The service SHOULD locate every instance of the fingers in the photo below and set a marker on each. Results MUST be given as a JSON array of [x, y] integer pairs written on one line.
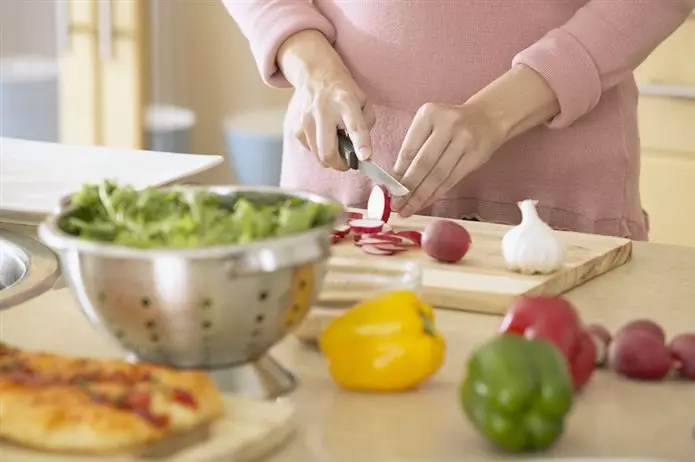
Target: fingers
[[439, 180], [306, 134], [426, 161], [356, 128], [327, 142], [369, 115], [465, 165], [326, 107], [417, 134]]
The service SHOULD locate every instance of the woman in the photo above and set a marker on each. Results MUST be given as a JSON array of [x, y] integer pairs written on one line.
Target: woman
[[475, 104]]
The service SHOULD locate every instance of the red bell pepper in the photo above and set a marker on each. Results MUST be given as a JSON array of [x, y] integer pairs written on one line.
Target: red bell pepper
[[554, 319]]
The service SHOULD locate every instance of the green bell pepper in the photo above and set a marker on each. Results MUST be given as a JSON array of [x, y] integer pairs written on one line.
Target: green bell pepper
[[517, 392]]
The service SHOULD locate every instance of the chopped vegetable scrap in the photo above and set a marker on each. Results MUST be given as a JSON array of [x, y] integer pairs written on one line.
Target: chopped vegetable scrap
[[185, 217], [443, 240]]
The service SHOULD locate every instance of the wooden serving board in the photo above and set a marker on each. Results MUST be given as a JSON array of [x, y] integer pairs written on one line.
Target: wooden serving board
[[249, 430], [481, 281]]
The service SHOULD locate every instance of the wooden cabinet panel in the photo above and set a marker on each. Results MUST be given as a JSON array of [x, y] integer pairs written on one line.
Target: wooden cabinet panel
[[673, 62], [668, 195], [126, 15], [124, 75], [667, 132], [82, 13], [103, 72], [122, 94], [667, 124], [78, 102]]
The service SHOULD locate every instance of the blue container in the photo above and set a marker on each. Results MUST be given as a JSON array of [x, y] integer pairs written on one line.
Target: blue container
[[29, 98], [254, 146], [169, 128]]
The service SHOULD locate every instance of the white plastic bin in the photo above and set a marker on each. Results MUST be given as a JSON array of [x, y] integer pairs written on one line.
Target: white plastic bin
[[169, 128], [29, 98], [254, 145]]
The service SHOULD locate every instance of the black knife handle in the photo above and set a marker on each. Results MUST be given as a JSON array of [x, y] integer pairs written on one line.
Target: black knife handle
[[347, 150]]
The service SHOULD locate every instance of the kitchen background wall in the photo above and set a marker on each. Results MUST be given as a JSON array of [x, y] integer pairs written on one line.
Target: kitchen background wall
[[199, 60]]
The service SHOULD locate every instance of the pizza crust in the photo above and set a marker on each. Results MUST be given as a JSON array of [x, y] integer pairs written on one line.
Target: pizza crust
[[58, 420], [56, 416]]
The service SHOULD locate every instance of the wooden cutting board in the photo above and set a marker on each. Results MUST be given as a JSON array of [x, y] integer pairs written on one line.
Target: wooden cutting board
[[481, 282], [249, 430]]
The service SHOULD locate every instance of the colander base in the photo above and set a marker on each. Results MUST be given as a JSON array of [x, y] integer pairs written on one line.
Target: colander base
[[264, 378]]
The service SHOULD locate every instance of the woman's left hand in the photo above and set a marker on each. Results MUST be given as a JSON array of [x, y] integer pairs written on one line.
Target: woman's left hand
[[443, 145]]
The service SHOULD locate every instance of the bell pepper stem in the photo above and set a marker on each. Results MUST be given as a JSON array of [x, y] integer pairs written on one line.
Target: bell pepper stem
[[428, 325]]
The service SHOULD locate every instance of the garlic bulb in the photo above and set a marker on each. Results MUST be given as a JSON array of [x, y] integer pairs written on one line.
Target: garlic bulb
[[532, 247]]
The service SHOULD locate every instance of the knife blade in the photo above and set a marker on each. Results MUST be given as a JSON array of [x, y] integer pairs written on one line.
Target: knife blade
[[375, 173]]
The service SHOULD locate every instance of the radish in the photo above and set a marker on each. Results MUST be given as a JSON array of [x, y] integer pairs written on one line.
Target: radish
[[389, 246], [341, 231], [366, 226], [387, 237], [602, 339], [644, 325], [373, 250], [638, 354], [446, 241], [413, 236], [371, 241], [335, 239], [683, 350], [354, 216], [379, 204]]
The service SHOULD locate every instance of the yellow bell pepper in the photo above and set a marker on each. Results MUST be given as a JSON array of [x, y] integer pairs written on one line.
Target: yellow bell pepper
[[385, 344]]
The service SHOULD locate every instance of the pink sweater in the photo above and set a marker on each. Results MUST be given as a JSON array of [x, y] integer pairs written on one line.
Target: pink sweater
[[583, 167]]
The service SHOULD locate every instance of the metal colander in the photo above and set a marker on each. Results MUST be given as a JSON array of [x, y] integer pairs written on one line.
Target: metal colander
[[212, 307]]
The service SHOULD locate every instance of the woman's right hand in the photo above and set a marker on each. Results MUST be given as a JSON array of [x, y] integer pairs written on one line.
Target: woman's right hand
[[327, 99]]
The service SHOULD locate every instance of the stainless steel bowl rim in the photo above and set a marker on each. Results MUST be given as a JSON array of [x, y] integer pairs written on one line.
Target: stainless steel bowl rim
[[50, 233], [42, 270]]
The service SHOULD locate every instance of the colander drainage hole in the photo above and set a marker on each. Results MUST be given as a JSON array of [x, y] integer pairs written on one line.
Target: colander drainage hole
[[150, 324], [263, 295], [119, 334], [101, 297], [260, 318], [206, 304], [154, 338], [255, 333], [145, 302], [207, 324]]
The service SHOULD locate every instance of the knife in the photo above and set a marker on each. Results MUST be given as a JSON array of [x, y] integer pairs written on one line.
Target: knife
[[375, 173]]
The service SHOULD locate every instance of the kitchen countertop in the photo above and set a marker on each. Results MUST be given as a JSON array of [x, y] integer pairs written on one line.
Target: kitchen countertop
[[613, 417]]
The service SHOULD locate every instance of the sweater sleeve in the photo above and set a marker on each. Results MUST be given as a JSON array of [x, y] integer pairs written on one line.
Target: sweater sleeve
[[598, 47], [266, 24]]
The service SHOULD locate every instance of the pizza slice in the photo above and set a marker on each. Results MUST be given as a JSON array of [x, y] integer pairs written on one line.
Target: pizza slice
[[66, 404]]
